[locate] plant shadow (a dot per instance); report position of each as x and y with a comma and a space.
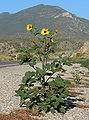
70, 103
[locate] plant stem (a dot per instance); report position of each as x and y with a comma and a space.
43, 62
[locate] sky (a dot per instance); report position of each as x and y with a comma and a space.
77, 7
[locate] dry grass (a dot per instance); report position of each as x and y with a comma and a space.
4, 57
82, 106
17, 115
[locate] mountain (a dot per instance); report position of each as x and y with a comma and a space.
85, 48
68, 24
73, 31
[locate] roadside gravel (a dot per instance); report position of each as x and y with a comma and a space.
11, 77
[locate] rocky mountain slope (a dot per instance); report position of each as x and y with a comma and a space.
85, 48
68, 24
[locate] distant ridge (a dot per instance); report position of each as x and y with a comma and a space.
68, 24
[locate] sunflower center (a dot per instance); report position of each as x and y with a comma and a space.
29, 26
45, 31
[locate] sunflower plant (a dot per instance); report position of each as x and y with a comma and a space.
76, 78
51, 92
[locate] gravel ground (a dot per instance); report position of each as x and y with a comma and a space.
11, 77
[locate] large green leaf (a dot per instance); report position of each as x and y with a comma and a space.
25, 79
59, 82
40, 71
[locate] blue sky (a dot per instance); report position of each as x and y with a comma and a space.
78, 7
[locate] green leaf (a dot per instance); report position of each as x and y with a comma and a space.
25, 95
17, 51
61, 90
36, 91
19, 92
21, 62
49, 94
35, 27
48, 66
32, 61
52, 110
52, 84
35, 47
66, 92
66, 62
29, 104
40, 53
52, 50
25, 50
54, 70
21, 102
41, 40
42, 90
51, 33
54, 97
22, 86
45, 108
50, 30
24, 79
20, 50
62, 109
28, 76
60, 100
40, 71
63, 95
53, 43
67, 83
56, 104
32, 80
30, 50
36, 32
53, 66
59, 82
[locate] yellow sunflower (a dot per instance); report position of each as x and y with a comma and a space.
60, 70
33, 42
56, 32
44, 31
51, 40
29, 27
